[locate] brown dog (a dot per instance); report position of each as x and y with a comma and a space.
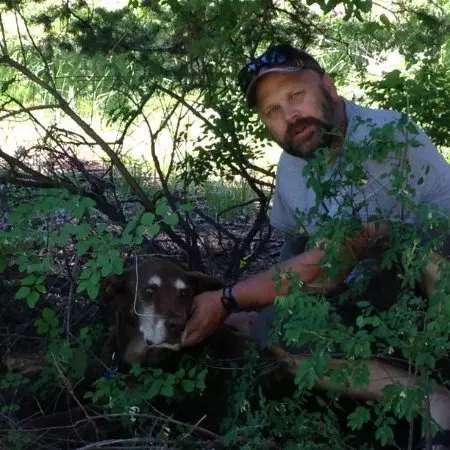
152, 302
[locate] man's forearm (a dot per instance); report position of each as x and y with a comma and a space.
261, 290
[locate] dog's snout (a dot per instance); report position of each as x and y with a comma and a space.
175, 324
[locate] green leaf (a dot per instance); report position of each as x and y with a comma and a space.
82, 231
141, 229
42, 327
40, 288
153, 230
127, 239
29, 280
148, 218
384, 20
162, 209
384, 434
93, 290
188, 207
84, 333
84, 204
393, 80
81, 286
167, 390
155, 388
48, 314
23, 292
306, 376
32, 299
171, 219
83, 247
365, 6
79, 363
188, 385
180, 373
358, 418
107, 269
330, 5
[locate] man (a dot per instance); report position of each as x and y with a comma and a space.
299, 104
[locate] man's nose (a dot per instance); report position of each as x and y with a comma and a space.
292, 114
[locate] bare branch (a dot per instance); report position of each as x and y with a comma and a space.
65, 107
27, 110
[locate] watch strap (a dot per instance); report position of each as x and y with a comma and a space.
228, 301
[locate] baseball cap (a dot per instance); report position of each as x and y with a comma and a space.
281, 58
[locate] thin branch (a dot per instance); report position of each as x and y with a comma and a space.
27, 110
37, 48
65, 107
210, 126
239, 205
3, 46
14, 162
72, 394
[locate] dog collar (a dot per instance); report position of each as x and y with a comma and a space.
228, 301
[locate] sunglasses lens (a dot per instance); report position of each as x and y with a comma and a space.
268, 59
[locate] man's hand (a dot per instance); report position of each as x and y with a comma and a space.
208, 313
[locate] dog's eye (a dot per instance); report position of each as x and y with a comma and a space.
184, 292
150, 289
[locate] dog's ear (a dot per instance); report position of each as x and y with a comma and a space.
115, 289
202, 283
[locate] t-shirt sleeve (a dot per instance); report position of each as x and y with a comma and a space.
292, 245
430, 174
281, 217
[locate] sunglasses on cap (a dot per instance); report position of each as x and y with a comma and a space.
279, 58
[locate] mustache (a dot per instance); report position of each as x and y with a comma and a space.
303, 122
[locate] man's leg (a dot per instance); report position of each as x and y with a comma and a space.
381, 374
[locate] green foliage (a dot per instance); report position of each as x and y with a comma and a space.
253, 420
96, 245
352, 7
415, 328
227, 199
424, 90
141, 386
147, 57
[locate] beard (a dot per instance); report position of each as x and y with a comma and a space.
307, 134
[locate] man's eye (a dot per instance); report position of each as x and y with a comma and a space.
272, 111
297, 93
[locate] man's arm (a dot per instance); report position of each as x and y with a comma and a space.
260, 289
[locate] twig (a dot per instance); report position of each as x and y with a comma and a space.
91, 419
148, 441
72, 394
27, 110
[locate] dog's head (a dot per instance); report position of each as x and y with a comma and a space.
153, 300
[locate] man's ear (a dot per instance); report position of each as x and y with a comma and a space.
115, 288
330, 87
202, 283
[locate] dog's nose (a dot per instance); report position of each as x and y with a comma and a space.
175, 324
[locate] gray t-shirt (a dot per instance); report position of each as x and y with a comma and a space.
429, 177
431, 182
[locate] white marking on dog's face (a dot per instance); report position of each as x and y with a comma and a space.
180, 284
183, 335
152, 326
154, 279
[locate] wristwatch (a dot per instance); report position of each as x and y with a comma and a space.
228, 301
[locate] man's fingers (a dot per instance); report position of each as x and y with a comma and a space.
191, 339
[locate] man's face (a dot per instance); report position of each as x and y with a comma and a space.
299, 110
